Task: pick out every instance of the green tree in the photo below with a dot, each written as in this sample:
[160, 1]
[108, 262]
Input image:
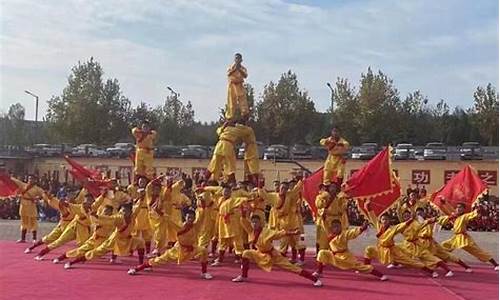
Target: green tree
[285, 113]
[89, 109]
[486, 113]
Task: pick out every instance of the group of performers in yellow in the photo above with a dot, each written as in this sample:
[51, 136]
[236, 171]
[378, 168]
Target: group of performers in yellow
[231, 216]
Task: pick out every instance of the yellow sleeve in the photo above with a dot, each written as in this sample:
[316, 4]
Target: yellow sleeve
[323, 142]
[353, 233]
[177, 186]
[97, 203]
[472, 215]
[19, 183]
[400, 227]
[278, 234]
[443, 220]
[297, 188]
[81, 196]
[75, 208]
[107, 220]
[372, 218]
[52, 201]
[246, 225]
[213, 189]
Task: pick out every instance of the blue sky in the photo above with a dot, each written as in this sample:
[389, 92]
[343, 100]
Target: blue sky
[444, 48]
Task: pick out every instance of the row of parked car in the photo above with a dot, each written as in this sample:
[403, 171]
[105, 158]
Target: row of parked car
[431, 151]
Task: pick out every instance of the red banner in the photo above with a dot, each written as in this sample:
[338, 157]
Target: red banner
[373, 179]
[465, 187]
[311, 189]
[380, 204]
[7, 186]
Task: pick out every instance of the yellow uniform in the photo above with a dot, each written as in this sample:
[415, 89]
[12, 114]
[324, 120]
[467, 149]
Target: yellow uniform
[142, 226]
[144, 153]
[338, 254]
[113, 198]
[229, 227]
[66, 215]
[286, 214]
[386, 251]
[176, 202]
[102, 231]
[206, 215]
[329, 209]
[264, 254]
[28, 212]
[224, 156]
[461, 239]
[258, 207]
[401, 208]
[185, 248]
[120, 242]
[426, 240]
[157, 208]
[335, 162]
[411, 246]
[251, 155]
[79, 228]
[236, 93]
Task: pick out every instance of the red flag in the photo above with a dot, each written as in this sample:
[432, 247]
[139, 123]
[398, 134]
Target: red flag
[374, 179]
[88, 173]
[7, 186]
[465, 187]
[379, 204]
[311, 189]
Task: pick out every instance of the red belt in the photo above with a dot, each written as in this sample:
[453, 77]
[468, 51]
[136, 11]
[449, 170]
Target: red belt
[187, 247]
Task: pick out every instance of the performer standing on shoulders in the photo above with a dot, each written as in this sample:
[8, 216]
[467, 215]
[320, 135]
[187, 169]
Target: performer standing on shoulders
[144, 139]
[236, 94]
[335, 163]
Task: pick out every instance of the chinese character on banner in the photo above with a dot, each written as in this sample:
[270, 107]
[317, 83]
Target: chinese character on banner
[421, 176]
[489, 177]
[174, 171]
[448, 174]
[200, 171]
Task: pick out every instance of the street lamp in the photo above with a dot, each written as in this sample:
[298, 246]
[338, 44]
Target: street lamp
[177, 95]
[36, 104]
[331, 93]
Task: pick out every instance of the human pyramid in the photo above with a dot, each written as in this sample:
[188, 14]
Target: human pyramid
[230, 216]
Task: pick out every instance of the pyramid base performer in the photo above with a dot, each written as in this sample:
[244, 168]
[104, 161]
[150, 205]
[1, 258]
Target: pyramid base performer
[339, 255]
[264, 254]
[184, 249]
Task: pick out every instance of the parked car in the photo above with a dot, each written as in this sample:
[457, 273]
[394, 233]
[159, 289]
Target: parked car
[168, 151]
[301, 152]
[120, 150]
[404, 151]
[365, 152]
[45, 150]
[260, 148]
[88, 150]
[319, 153]
[276, 152]
[435, 151]
[194, 151]
[471, 150]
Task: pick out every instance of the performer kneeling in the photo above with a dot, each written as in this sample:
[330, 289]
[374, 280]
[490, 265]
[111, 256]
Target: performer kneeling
[184, 249]
[263, 252]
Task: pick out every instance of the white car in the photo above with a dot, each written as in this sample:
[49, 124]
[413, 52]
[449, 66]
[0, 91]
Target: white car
[88, 150]
[120, 150]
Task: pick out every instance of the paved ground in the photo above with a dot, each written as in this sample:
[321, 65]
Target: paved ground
[9, 230]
